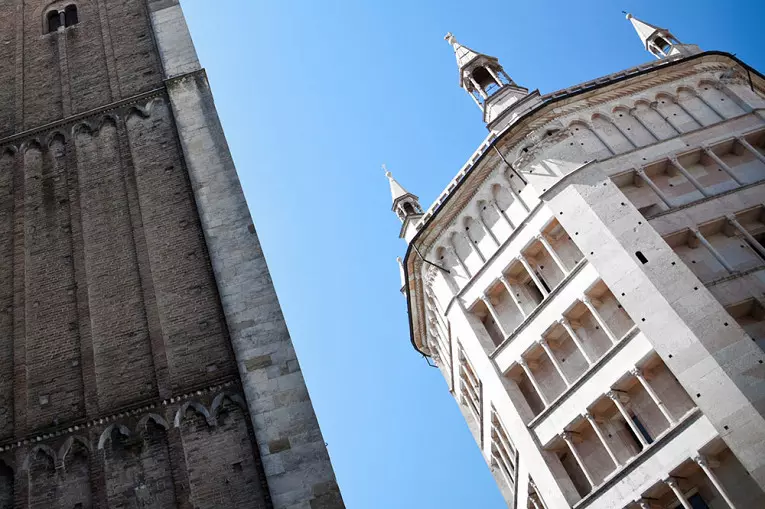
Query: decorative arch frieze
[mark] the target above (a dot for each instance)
(198, 408)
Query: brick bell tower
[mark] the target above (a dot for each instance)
(144, 358)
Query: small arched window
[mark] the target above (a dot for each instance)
(54, 21)
(70, 14)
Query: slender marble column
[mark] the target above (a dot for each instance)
(533, 381)
(672, 483)
(620, 406)
(478, 87)
(759, 247)
(591, 306)
(474, 247)
(712, 250)
(633, 114)
(569, 439)
(487, 229)
(534, 502)
(575, 338)
(487, 301)
(533, 275)
(756, 153)
(546, 347)
(637, 373)
(510, 290)
(645, 178)
(596, 427)
(655, 107)
(459, 260)
(502, 214)
(704, 463)
(546, 243)
(691, 178)
(727, 169)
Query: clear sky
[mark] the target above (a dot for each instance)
(314, 96)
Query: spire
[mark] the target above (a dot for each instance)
(484, 79)
(405, 205)
(659, 41)
(396, 189)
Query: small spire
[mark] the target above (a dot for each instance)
(643, 29)
(659, 41)
(464, 54)
(396, 190)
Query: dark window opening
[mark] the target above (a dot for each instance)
(641, 428)
(663, 45)
(70, 15)
(641, 257)
(484, 78)
(408, 208)
(542, 280)
(760, 238)
(697, 502)
(54, 21)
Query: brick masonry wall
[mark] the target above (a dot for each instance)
(118, 384)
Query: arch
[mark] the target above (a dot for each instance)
(232, 396)
(39, 449)
(67, 446)
(631, 126)
(644, 109)
(83, 127)
(461, 259)
(109, 118)
(199, 407)
(689, 99)
(726, 103)
(667, 104)
(592, 143)
(71, 17)
(158, 420)
(52, 21)
(56, 135)
(611, 134)
(9, 150)
(107, 433)
(30, 144)
(146, 110)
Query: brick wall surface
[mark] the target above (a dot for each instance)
(118, 384)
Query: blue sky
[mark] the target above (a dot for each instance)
(314, 96)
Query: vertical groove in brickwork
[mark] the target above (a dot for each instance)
(85, 50)
(178, 468)
(87, 361)
(124, 368)
(63, 63)
(18, 120)
(106, 43)
(42, 72)
(7, 67)
(7, 164)
(159, 355)
(52, 342)
(19, 337)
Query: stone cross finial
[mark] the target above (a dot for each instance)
(449, 37)
(387, 172)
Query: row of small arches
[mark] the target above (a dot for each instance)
(61, 135)
(66, 18)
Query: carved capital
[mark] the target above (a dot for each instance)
(671, 482)
(636, 372)
(701, 461)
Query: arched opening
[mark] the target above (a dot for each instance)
(54, 21)
(486, 81)
(663, 45)
(408, 208)
(70, 15)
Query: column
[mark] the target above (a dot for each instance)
(672, 483)
(634, 115)
(486, 300)
(733, 221)
(691, 178)
(600, 139)
(712, 250)
(532, 274)
(510, 290)
(487, 229)
(706, 465)
(727, 169)
(478, 87)
(591, 306)
(494, 75)
(637, 373)
(533, 381)
(569, 439)
(575, 338)
(534, 503)
(546, 347)
(459, 260)
(655, 108)
(756, 153)
(595, 426)
(645, 178)
(687, 112)
(546, 243)
(502, 214)
(474, 247)
(614, 396)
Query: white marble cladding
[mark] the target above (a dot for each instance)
(526, 322)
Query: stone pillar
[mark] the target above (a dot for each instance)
(712, 250)
(655, 108)
(727, 169)
(575, 338)
(459, 260)
(569, 439)
(502, 214)
(706, 466)
(645, 178)
(478, 87)
(495, 77)
(756, 153)
(633, 114)
(509, 289)
(759, 247)
(674, 162)
(637, 373)
(487, 229)
(533, 275)
(546, 243)
(614, 396)
(533, 380)
(487, 301)
(596, 427)
(672, 483)
(546, 347)
(591, 306)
